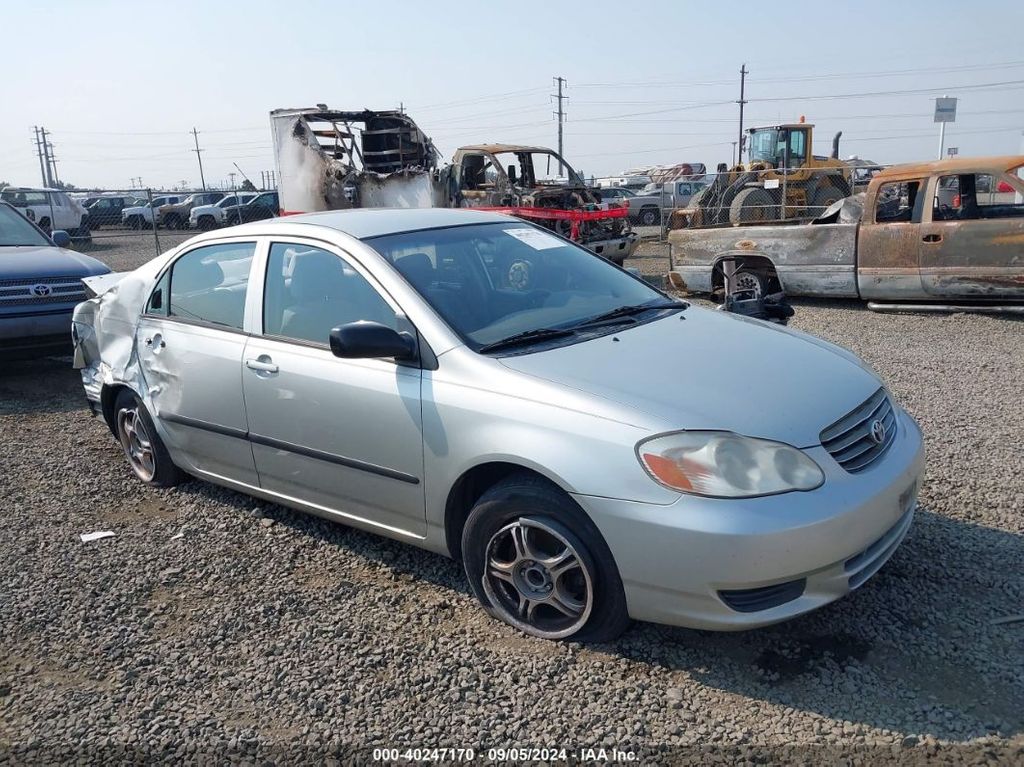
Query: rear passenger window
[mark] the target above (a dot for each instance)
(209, 284)
(310, 291)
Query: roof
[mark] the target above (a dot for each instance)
(363, 223)
(496, 148)
(29, 189)
(953, 165)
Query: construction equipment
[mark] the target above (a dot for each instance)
(782, 181)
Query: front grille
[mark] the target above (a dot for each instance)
(22, 292)
(763, 597)
(853, 439)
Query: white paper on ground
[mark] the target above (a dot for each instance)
(535, 238)
(86, 537)
(178, 535)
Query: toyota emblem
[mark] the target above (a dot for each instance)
(878, 432)
(41, 291)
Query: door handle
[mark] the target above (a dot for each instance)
(159, 342)
(262, 365)
(932, 238)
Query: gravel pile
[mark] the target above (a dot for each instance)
(215, 624)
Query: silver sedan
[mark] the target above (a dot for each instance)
(591, 449)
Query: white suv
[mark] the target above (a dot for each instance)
(49, 209)
(211, 216)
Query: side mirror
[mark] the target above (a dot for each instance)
(61, 238)
(361, 340)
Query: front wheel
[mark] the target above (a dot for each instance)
(536, 562)
(142, 446)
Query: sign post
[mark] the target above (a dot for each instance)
(945, 112)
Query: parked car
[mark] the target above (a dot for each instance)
(211, 216)
(175, 215)
(40, 283)
(50, 209)
(467, 382)
(106, 211)
(615, 194)
(141, 216)
(647, 205)
(263, 205)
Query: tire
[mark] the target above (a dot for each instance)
(524, 524)
(825, 195)
(134, 222)
(753, 205)
(143, 449)
(206, 223)
(649, 217)
(172, 222)
(752, 282)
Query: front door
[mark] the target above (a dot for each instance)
(341, 434)
(971, 247)
(887, 243)
(190, 344)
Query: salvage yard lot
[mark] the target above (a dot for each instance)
(213, 622)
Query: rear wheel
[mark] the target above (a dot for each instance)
(536, 562)
(753, 205)
(144, 450)
(824, 196)
(649, 217)
(172, 222)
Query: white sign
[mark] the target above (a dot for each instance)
(945, 110)
(953, 151)
(771, 183)
(535, 238)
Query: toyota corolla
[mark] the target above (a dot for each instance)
(590, 448)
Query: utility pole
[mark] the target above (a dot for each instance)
(734, 153)
(39, 153)
(199, 156)
(46, 157)
(561, 119)
(741, 102)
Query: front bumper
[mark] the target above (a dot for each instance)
(32, 334)
(814, 547)
(615, 248)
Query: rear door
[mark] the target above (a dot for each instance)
(190, 342)
(341, 434)
(971, 241)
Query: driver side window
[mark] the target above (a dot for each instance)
(310, 291)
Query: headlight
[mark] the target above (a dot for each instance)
(726, 465)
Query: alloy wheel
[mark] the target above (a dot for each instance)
(136, 443)
(537, 580)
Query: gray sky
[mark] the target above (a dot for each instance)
(121, 84)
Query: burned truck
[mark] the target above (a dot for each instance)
(333, 160)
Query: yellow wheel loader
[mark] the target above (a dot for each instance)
(782, 181)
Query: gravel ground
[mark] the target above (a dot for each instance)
(217, 625)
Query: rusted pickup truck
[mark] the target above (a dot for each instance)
(951, 230)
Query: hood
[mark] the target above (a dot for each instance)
(206, 209)
(46, 261)
(714, 370)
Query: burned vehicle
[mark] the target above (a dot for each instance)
(939, 232)
(334, 160)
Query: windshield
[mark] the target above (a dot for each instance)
(764, 146)
(538, 168)
(493, 281)
(15, 231)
